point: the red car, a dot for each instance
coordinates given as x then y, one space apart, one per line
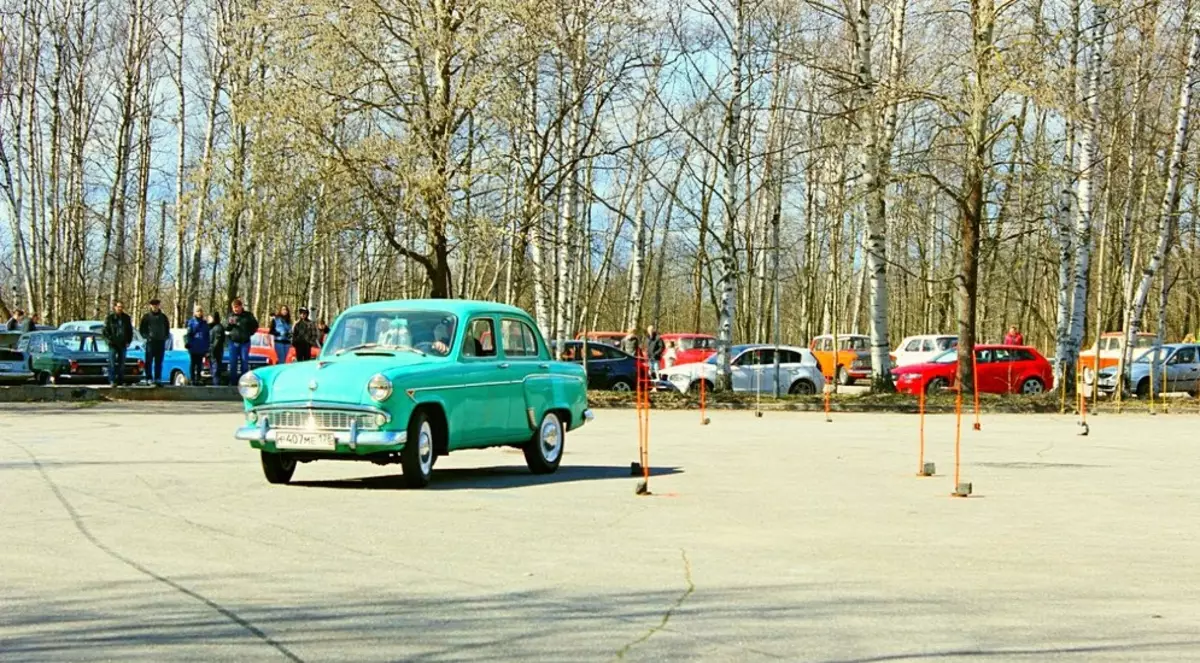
689 348
1001 369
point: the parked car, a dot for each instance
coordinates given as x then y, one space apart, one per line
753 369
97 327
408 381
853 360
262 344
1175 366
921 349
1000 369
14 367
690 348
612 338
256 361
9 339
1108 348
607 367
73 357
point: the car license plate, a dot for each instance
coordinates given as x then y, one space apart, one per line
325 441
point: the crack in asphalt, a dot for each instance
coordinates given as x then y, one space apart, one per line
691 587
140 568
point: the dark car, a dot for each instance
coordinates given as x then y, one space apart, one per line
607 367
14 366
72 357
256 361
9 339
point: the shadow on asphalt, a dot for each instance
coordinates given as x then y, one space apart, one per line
511 476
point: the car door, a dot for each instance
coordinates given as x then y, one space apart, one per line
529 367
989 374
1180 369
742 370
481 397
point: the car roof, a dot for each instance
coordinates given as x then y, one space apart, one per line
840 336
459 307
687 335
71 324
737 349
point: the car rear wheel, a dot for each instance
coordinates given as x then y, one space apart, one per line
1032 386
843 377
620 384
278 468
43 378
544 451
937 384
802 388
178 378
416 459
1143 388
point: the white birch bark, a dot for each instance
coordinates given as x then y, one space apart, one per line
729 265
1083 218
1170 200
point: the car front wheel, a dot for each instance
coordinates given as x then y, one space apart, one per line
416 458
937 384
843 377
278 468
544 451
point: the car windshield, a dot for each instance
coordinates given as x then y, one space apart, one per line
697 343
78 343
1149 355
423 332
947 357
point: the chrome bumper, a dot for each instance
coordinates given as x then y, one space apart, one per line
588 415
262 432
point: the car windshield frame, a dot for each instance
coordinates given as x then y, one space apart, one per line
424 319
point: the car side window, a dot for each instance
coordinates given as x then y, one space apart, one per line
790 357
477 342
913 345
1022 355
927 345
1002 355
744 359
1184 356
519 341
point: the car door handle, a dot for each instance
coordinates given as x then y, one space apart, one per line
543 365
503 365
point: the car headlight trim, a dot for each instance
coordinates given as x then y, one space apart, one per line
380 388
249 386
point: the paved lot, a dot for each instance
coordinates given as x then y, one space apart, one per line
141 534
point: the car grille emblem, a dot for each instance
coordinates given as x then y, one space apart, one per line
312 385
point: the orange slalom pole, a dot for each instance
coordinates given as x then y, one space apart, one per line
957 437
921 428
703 416
975 389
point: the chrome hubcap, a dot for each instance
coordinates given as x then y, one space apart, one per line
1033 387
551 435
621 386
425 447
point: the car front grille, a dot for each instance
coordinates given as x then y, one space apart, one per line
314 419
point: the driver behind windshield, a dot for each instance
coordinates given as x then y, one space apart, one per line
439 340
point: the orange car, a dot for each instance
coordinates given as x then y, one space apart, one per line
1109 347
853 360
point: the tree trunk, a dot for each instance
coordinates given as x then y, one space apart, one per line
729 259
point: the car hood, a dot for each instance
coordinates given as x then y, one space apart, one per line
918 368
341 379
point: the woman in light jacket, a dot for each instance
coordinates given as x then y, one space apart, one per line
281 330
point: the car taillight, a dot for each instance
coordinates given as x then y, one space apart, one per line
74 366
141 365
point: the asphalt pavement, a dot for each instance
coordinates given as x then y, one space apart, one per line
143 532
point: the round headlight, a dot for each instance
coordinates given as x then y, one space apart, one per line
249 386
380 388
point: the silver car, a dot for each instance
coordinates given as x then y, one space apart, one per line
1176 368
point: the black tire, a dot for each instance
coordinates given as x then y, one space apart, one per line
43 378
178 379
419 452
1033 386
935 385
621 384
278 468
544 450
1143 388
695 387
802 388
843 377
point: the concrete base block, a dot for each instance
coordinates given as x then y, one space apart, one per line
963 489
928 470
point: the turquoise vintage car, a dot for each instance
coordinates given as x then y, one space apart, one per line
408 381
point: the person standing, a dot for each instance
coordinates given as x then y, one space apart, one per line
630 343
197 343
216 348
281 331
322 331
14 323
304 336
156 329
654 350
1014 337
118 333
240 327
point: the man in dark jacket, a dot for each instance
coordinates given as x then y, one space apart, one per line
118 333
216 348
14 323
654 349
304 336
156 328
240 327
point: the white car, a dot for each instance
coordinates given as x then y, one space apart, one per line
97 326
922 349
753 368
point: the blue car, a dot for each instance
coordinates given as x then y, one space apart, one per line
607 367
